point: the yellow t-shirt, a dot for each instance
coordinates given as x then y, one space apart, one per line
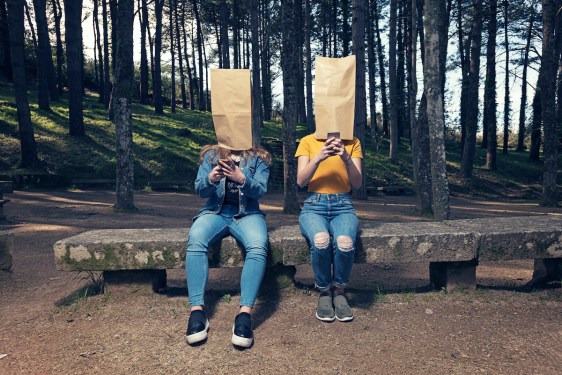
331 175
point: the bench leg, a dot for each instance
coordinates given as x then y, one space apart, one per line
545 271
155 278
6 251
279 277
453 275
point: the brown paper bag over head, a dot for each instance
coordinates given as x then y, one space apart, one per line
231 106
334 96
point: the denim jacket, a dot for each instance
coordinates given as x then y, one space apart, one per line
254 169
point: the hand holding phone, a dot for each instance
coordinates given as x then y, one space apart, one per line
226 164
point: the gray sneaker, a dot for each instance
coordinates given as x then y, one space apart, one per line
325 310
343 311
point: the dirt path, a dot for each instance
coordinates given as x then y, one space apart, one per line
48 326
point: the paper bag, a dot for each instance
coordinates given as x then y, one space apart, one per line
231 107
334 96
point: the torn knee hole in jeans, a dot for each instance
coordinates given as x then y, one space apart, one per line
345 243
321 240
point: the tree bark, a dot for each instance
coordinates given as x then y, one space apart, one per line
17 54
472 92
536 131
433 16
122 93
5 58
549 68
372 73
257 119
189 75
157 80
523 107
393 85
299 24
345 37
143 21
200 56
225 15
490 89
171 7
107 83
360 121
400 78
266 63
289 65
44 68
180 59
235 35
382 74
101 87
31 28
506 100
308 52
73 26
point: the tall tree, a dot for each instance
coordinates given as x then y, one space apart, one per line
265 55
308 57
372 72
31 27
490 88
506 99
299 24
122 94
106 81
26 135
43 54
469 150
345 32
180 59
382 74
143 21
434 15
225 47
257 119
360 121
393 85
549 67
186 55
5 58
202 101
97 47
73 28
523 107
157 79
289 64
536 132
173 60
235 34
57 14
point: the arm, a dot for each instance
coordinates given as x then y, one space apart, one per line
352 165
207 178
254 187
307 167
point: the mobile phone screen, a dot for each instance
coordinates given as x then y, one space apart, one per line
334 134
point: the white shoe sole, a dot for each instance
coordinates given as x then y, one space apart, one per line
329 319
346 319
199 336
243 342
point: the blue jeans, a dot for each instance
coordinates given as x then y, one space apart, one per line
328 219
249 230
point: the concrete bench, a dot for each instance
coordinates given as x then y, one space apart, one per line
6 187
453 248
6 250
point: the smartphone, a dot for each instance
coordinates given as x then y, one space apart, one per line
225 163
334 134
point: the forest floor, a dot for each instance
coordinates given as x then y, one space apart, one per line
51 322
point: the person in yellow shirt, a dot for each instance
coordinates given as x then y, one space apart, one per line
328 220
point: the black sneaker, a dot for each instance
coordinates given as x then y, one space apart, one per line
197 327
242 334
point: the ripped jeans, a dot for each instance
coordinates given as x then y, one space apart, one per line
329 223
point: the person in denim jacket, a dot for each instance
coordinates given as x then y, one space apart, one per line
328 220
233 182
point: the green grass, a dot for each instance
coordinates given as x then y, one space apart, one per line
163 151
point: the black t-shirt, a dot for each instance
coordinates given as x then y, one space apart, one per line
232 191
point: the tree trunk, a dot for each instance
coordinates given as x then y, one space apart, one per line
122 93
299 24
434 15
536 132
44 68
490 88
464 53
31 28
143 21
393 154
114 41
5 57
200 56
472 92
17 54
523 107
558 60
225 15
57 14
195 78
257 120
334 30
266 63
101 87
290 65
218 38
73 27
372 74
307 32
180 59
107 83
549 68
235 35
400 79
188 68
157 80
382 74
506 100
345 37
171 7
360 122
206 92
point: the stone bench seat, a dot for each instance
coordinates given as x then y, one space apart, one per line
452 248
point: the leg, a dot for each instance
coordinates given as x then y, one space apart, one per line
315 228
204 232
344 229
251 231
